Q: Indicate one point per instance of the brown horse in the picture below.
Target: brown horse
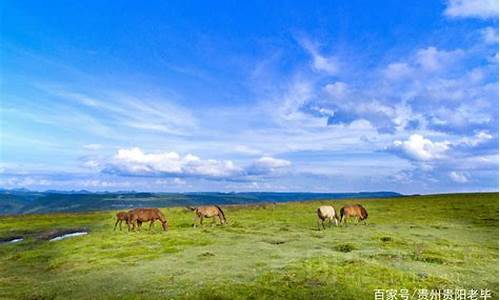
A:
(120, 217)
(124, 216)
(211, 211)
(139, 215)
(357, 211)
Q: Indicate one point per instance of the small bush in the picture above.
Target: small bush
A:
(344, 248)
(386, 239)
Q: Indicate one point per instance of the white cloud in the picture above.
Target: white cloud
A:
(482, 9)
(267, 164)
(432, 59)
(489, 35)
(461, 177)
(143, 112)
(338, 89)
(247, 150)
(397, 71)
(421, 149)
(135, 161)
(272, 163)
(329, 65)
(92, 146)
(477, 139)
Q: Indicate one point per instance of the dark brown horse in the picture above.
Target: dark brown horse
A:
(210, 211)
(120, 217)
(139, 215)
(357, 211)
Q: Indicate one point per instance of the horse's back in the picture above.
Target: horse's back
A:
(121, 215)
(325, 211)
(145, 214)
(354, 210)
(209, 210)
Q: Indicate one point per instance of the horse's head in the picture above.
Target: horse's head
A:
(164, 224)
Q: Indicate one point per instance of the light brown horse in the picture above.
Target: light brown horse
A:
(327, 213)
(139, 215)
(210, 211)
(124, 216)
(357, 211)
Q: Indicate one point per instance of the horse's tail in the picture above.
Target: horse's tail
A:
(341, 214)
(223, 217)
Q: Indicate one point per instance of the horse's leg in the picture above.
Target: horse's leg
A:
(151, 224)
(201, 220)
(336, 222)
(319, 221)
(117, 220)
(121, 225)
(195, 220)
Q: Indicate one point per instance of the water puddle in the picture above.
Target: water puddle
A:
(68, 235)
(11, 240)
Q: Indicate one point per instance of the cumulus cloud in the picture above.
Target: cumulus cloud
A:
(483, 9)
(419, 148)
(432, 59)
(135, 162)
(461, 177)
(397, 71)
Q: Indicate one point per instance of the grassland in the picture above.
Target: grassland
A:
(273, 251)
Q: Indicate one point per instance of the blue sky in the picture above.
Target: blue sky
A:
(330, 96)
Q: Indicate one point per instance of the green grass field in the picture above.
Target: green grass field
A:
(433, 242)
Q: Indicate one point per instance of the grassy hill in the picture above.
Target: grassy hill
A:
(266, 251)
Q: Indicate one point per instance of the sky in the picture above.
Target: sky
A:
(180, 96)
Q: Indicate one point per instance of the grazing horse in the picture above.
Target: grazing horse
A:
(327, 212)
(139, 215)
(120, 217)
(124, 216)
(357, 211)
(211, 211)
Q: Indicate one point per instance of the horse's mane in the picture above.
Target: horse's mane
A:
(363, 212)
(221, 211)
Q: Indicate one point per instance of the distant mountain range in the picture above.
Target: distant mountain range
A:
(23, 201)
